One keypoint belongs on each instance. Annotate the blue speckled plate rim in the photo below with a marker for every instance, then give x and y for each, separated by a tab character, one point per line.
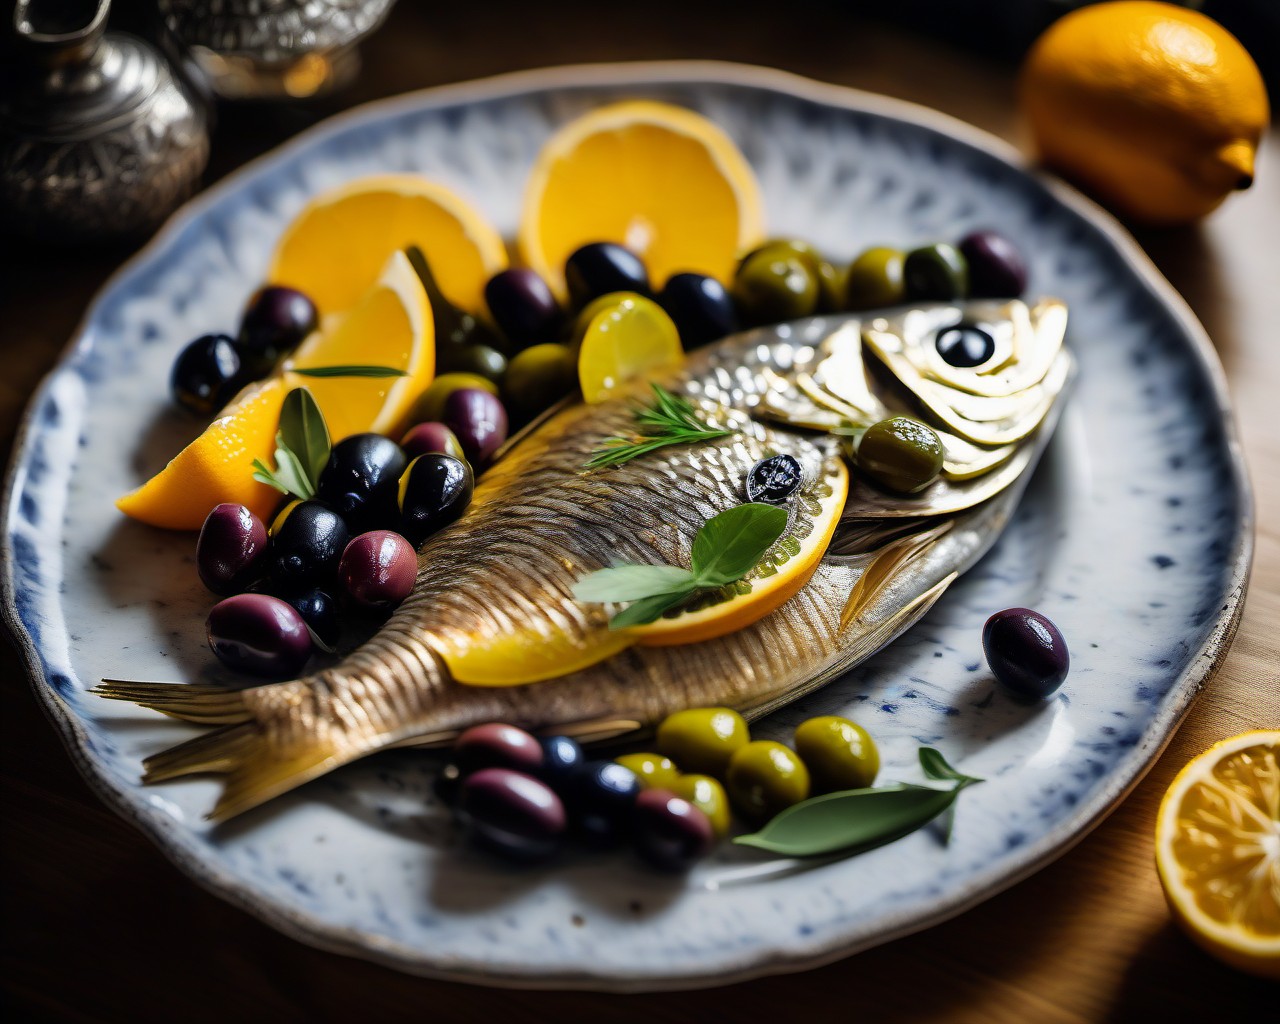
176	843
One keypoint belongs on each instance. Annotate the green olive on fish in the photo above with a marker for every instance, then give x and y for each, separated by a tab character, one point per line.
830	279
839	754
901	454
875	279
774	285
766	777
702	740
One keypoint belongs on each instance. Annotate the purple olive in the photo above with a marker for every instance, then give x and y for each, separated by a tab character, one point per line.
259	634
670	832
359	481
430	439
996	267
603	267
497	745
434	491
1026	652
602	795
276	319
522	305
230	550
512	814
378	569
700	306
479	421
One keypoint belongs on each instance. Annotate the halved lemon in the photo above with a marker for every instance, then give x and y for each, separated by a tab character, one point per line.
336	247
663	181
624	336
390	326
1218	851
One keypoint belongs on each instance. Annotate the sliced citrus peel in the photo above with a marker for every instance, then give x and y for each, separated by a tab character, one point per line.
1218	851
624	336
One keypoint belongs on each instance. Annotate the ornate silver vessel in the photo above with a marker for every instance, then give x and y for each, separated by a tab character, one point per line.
270	48
98	138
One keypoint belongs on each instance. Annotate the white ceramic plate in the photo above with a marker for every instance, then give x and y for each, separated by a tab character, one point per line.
1134	537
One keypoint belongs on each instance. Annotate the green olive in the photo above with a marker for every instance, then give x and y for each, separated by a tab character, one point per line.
653	770
875	279
706	794
830	279
538	377
936	272
430	404
482	360
701	740
901	454
838	753
773	285
766	777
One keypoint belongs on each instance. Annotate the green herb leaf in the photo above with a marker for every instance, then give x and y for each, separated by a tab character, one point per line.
670	419
303	435
262	473
732	543
632	582
291	472
649	609
935	766
354	370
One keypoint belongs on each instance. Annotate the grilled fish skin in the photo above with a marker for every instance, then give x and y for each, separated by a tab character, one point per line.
503	573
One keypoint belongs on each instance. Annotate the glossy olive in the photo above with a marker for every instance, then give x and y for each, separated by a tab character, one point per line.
900	454
964	345
454	327
378	569
937	271
307	540
830	279
360	481
838	753
434	491
764	778
231	549
523	306
562	757
706	794
770	287
601	796
599	268
479	421
319	610
774	480
481	360
206	374
497	745
430	405
875	279
258	634
653	770
670	832
1027	653
701	308
512	814
702	740
539	377
996	267
430	438
276	319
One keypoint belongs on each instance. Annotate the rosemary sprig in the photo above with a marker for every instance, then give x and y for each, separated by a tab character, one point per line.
670	419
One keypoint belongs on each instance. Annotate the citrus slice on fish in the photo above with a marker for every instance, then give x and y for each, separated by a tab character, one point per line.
390	326
660	179
334	250
624	337
1218	851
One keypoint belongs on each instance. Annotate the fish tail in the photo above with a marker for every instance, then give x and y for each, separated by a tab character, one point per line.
192	702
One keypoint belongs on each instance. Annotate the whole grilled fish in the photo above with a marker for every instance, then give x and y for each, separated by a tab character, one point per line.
494	589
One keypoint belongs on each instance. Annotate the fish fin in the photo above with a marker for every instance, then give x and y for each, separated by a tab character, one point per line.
192	702
885	566
217	751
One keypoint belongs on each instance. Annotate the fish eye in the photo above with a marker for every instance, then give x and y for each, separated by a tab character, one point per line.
965	345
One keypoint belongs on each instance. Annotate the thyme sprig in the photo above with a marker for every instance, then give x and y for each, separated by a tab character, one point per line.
669	419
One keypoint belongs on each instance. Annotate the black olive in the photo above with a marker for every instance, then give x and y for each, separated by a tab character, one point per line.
319	610
307	540
434	491
965	345
359	481
774	480
206	374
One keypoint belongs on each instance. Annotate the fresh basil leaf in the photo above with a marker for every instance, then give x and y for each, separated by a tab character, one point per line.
632	582
648	609
730	544
935	766
304	434
262	473
353	370
290	472
854	820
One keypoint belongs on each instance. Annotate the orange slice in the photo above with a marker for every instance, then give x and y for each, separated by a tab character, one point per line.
625	336
391	326
336	247
663	181
1218	851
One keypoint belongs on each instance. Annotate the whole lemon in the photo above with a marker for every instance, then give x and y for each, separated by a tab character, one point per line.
1155	109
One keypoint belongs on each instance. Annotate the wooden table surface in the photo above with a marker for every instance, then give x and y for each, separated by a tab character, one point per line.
99	926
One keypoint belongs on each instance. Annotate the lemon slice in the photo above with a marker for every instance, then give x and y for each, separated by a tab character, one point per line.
1218	851
663	181
391	326
336	247
629	337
